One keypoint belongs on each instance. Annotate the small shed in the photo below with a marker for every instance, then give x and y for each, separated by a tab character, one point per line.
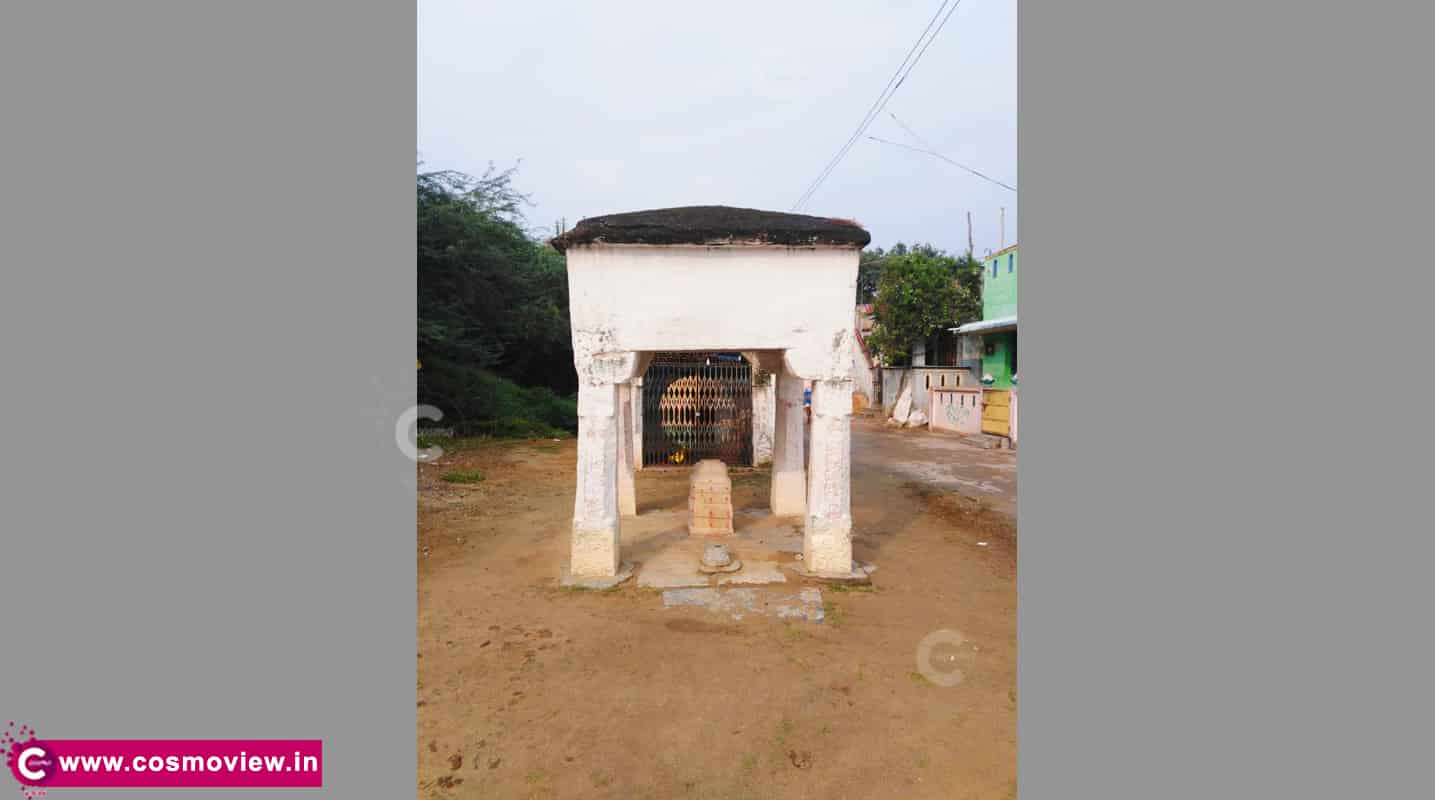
775	286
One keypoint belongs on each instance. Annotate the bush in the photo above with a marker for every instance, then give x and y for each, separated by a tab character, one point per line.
476	402
492	311
518	428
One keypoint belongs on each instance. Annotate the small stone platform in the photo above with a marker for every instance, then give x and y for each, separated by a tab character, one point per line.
710	500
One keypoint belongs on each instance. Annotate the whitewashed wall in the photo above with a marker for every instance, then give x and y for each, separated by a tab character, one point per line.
651	298
937	377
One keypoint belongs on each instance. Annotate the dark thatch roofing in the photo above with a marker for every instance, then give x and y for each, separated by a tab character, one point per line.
714	225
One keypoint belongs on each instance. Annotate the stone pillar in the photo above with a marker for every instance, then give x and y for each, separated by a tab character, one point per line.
789	478
595	504
627	492
827	539
763	419
637	427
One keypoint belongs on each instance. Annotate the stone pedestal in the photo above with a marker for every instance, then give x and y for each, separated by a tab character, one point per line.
710	500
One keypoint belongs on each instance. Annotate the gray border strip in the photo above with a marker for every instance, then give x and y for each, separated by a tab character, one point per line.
207	309
1221	594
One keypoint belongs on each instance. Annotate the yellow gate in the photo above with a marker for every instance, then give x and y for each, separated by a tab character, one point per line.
996	412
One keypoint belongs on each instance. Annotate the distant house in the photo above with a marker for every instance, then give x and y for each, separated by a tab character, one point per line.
864	365
997	329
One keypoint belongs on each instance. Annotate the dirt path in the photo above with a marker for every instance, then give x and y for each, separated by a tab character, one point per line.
940	461
528	690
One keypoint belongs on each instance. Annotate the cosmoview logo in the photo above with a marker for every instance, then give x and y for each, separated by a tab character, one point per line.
406	433
35	762
937	657
31	761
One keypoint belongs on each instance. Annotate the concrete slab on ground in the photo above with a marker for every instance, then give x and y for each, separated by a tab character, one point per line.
672	568
736	602
805	604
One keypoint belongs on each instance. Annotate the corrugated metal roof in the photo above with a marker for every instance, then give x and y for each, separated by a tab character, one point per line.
988	325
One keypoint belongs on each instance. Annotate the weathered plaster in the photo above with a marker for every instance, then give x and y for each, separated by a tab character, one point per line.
827	538
692	297
764	409
764	395
831	360
789	476
956	410
600	367
922	381
595	504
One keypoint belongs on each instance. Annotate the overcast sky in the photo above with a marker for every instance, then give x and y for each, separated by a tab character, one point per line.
625	105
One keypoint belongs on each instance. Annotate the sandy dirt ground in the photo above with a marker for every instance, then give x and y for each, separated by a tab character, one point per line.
530	690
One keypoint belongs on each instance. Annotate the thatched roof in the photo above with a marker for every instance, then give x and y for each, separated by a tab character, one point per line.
714	225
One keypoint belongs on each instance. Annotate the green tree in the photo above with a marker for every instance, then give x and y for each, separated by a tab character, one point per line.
968	275
492	305
920	289
869	270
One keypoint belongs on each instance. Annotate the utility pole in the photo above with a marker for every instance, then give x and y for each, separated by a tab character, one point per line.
1003	247
970	247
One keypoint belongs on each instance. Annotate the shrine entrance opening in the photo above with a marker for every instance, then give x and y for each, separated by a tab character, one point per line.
697	405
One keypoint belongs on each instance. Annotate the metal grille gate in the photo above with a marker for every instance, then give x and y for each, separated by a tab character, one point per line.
696	406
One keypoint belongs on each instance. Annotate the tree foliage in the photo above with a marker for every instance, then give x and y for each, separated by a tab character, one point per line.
917	290
492	303
869	269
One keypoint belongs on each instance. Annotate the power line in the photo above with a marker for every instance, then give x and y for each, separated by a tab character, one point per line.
948	160
910	132
930	150
893	84
872	111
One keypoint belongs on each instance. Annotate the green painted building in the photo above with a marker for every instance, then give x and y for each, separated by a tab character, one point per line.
998	325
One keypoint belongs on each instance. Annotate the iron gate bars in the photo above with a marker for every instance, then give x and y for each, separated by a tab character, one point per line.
696	406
